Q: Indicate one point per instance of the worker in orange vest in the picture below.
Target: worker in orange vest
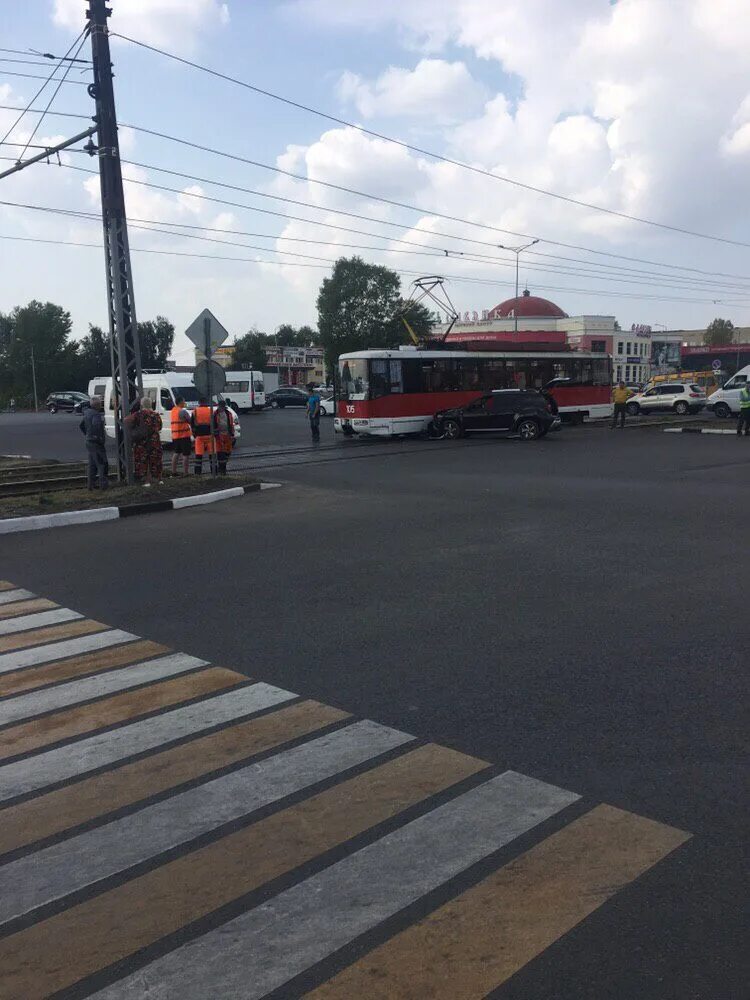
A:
(204, 443)
(224, 431)
(182, 433)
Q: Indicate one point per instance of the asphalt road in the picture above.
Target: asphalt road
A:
(575, 609)
(56, 436)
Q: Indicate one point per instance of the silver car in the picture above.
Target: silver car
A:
(680, 397)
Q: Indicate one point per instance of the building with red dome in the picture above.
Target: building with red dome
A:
(535, 323)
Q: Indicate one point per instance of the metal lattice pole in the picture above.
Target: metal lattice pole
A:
(123, 331)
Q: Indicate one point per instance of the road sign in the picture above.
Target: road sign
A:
(199, 331)
(210, 378)
(716, 365)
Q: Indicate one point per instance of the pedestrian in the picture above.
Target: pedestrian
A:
(312, 409)
(182, 433)
(92, 426)
(744, 420)
(204, 443)
(147, 453)
(620, 395)
(12, 405)
(223, 434)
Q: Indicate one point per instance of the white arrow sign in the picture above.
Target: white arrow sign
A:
(198, 329)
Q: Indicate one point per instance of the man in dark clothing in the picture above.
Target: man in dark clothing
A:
(312, 409)
(92, 426)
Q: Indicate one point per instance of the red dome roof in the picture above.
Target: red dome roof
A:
(527, 305)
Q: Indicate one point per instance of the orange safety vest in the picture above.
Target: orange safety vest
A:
(202, 421)
(180, 427)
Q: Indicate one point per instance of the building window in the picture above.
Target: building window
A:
(600, 346)
(618, 376)
(619, 347)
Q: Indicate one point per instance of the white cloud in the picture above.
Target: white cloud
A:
(439, 91)
(173, 23)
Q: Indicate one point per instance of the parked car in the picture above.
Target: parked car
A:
(726, 401)
(524, 412)
(327, 406)
(68, 402)
(680, 397)
(286, 395)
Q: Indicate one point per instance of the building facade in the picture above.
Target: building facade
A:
(631, 357)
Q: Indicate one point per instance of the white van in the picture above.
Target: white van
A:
(245, 391)
(163, 388)
(726, 401)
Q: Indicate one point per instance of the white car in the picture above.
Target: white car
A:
(726, 401)
(327, 406)
(680, 397)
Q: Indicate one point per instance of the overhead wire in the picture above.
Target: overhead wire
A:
(400, 225)
(152, 225)
(662, 280)
(56, 91)
(462, 279)
(47, 80)
(424, 152)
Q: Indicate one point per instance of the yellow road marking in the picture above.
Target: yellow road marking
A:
(28, 678)
(37, 636)
(477, 941)
(59, 951)
(81, 719)
(26, 607)
(67, 807)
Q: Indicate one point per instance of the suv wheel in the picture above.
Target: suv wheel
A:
(452, 430)
(529, 429)
(681, 407)
(633, 409)
(52, 408)
(722, 411)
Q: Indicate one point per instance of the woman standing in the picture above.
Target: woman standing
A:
(147, 453)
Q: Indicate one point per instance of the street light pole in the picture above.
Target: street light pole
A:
(33, 378)
(517, 251)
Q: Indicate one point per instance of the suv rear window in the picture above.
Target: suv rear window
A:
(696, 388)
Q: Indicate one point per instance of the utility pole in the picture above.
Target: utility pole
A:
(33, 379)
(123, 331)
(517, 251)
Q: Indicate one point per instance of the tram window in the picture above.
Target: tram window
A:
(380, 382)
(412, 375)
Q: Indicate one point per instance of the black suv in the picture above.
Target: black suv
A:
(68, 402)
(524, 412)
(286, 395)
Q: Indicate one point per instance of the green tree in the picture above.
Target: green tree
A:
(250, 351)
(156, 337)
(287, 335)
(419, 318)
(44, 329)
(93, 355)
(356, 308)
(719, 333)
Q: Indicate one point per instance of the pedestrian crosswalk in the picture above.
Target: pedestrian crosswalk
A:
(171, 828)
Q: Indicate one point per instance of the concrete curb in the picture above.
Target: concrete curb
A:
(697, 430)
(36, 522)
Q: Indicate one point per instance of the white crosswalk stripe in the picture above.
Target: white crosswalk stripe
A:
(11, 596)
(67, 647)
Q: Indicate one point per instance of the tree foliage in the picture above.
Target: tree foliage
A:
(719, 333)
(250, 351)
(287, 335)
(156, 337)
(360, 306)
(60, 362)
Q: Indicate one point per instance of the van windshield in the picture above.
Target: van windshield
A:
(188, 392)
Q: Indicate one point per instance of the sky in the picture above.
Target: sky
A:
(639, 107)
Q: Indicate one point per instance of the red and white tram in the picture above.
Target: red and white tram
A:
(385, 392)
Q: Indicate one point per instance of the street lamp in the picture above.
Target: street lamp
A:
(517, 251)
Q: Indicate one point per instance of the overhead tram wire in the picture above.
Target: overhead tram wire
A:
(33, 76)
(397, 225)
(664, 280)
(327, 265)
(425, 152)
(151, 225)
(661, 279)
(47, 80)
(148, 227)
(55, 92)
